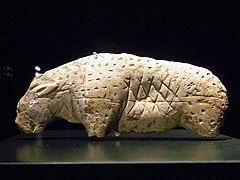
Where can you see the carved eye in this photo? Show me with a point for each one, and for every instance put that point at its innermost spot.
(32, 102)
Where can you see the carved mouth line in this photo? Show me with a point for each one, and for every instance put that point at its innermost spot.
(38, 127)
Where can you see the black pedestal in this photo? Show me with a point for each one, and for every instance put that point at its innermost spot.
(176, 154)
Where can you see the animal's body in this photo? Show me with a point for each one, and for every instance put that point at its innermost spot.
(125, 92)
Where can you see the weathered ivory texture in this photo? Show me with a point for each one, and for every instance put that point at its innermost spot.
(124, 92)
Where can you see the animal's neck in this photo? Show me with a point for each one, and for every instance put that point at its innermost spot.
(65, 110)
(64, 105)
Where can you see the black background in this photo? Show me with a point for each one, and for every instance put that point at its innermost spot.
(50, 33)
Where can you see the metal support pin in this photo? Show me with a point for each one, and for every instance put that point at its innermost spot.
(37, 69)
(95, 55)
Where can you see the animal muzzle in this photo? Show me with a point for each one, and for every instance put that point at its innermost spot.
(29, 127)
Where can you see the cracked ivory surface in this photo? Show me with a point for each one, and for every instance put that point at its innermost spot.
(126, 93)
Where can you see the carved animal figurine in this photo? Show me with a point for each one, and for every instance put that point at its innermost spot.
(126, 93)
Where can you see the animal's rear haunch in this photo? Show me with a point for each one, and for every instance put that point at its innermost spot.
(127, 93)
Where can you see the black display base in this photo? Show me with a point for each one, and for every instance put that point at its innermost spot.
(175, 154)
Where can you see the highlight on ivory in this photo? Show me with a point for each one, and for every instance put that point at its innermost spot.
(125, 93)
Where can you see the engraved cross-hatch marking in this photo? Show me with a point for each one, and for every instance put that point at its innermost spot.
(142, 87)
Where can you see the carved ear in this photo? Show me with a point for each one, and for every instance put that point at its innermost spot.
(44, 89)
(38, 75)
(35, 81)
